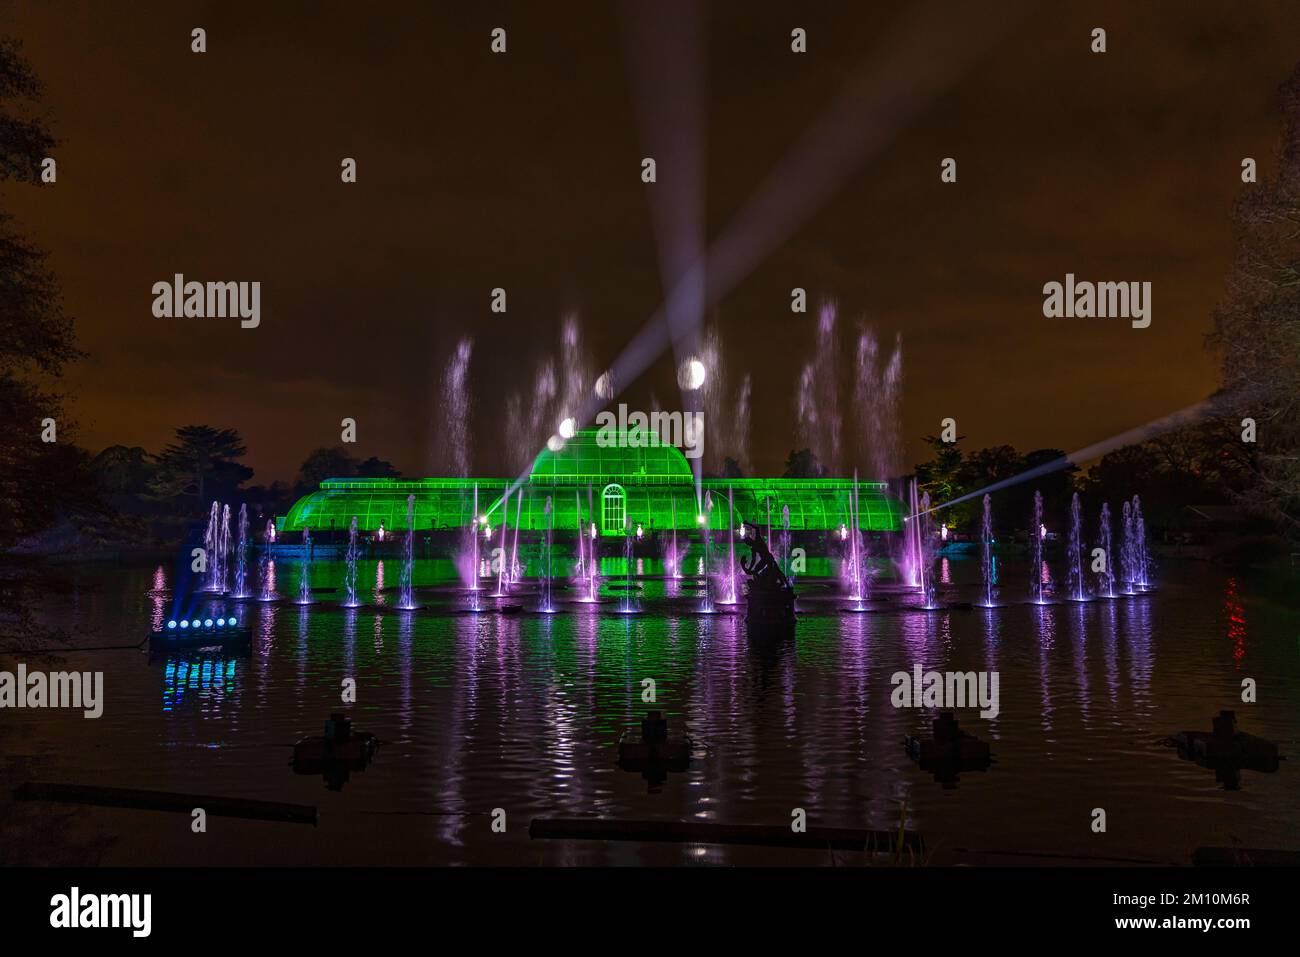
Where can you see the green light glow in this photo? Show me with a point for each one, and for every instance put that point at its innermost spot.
(652, 479)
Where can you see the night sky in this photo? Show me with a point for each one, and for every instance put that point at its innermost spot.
(522, 171)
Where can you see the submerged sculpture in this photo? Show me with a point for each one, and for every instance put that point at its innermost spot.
(769, 593)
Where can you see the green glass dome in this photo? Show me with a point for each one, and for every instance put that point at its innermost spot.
(633, 457)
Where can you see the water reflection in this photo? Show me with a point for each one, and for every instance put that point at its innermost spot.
(208, 679)
(524, 712)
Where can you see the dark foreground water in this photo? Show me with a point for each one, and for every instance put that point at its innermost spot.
(523, 713)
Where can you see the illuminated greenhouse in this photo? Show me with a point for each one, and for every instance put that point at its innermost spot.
(627, 480)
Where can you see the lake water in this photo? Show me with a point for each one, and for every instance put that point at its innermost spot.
(524, 712)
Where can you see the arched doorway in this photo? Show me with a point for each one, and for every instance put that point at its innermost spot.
(613, 510)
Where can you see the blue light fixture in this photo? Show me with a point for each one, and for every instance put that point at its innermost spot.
(208, 623)
(220, 622)
(232, 621)
(185, 624)
(172, 623)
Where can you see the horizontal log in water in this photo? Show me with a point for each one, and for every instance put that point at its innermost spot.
(688, 832)
(166, 801)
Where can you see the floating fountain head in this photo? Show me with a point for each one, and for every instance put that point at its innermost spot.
(350, 568)
(1036, 536)
(241, 555)
(406, 587)
(1076, 550)
(1106, 577)
(987, 567)
(304, 570)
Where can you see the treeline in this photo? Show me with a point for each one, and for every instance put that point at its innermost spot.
(127, 494)
(1207, 464)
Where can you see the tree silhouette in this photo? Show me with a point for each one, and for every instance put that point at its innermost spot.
(36, 340)
(1257, 327)
(202, 461)
(803, 464)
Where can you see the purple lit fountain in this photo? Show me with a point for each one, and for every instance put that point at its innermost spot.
(547, 605)
(350, 568)
(1127, 559)
(627, 606)
(503, 559)
(268, 566)
(241, 555)
(1076, 550)
(925, 536)
(673, 563)
(706, 603)
(1036, 534)
(1106, 577)
(304, 570)
(405, 587)
(1141, 563)
(987, 568)
(730, 592)
(857, 579)
(475, 603)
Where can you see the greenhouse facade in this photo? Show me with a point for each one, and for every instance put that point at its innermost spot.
(584, 481)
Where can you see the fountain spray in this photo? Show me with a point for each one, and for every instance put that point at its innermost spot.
(731, 546)
(1036, 534)
(406, 589)
(1106, 583)
(502, 559)
(547, 606)
(268, 567)
(350, 567)
(986, 551)
(1076, 550)
(304, 570)
(241, 556)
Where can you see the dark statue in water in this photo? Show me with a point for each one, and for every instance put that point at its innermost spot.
(770, 595)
